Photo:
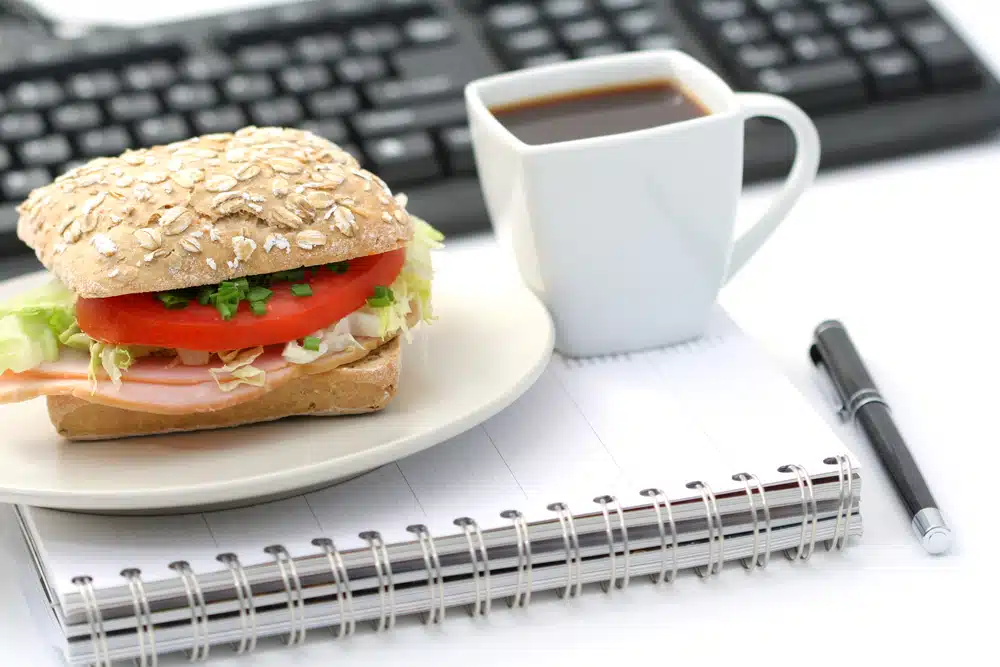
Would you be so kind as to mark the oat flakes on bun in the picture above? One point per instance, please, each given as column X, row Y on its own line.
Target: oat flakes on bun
column 222, row 280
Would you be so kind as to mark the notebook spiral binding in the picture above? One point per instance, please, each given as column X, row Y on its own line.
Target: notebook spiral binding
column 611, row 510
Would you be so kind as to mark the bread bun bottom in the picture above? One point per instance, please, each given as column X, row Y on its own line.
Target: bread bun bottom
column 366, row 385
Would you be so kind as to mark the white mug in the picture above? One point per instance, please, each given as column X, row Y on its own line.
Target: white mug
column 627, row 238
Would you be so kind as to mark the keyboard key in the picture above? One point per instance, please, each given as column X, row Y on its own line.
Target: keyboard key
column 410, row 91
column 21, row 126
column 162, row 130
column 17, row 185
column 96, row 85
column 945, row 58
column 37, row 94
column 332, row 129
column 869, row 38
column 150, row 76
column 640, row 22
column 352, row 9
column 362, row 69
column 798, row 22
column 893, row 73
column 300, row 79
column 106, row 141
column 283, row 112
column 582, row 33
column 657, row 41
column 772, row 6
column 134, row 106
column 403, row 159
column 816, row 85
column 536, row 41
column 221, row 119
column 192, row 96
column 428, row 31
column 320, row 48
column 815, row 47
column 400, row 121
column 849, row 14
column 331, row 103
column 457, row 143
column 738, row 32
column 49, row 150
column 720, row 10
column 544, row 59
column 903, row 9
column 211, row 66
column 601, row 49
column 249, row 87
column 76, row 117
column 612, row 6
column 375, row 38
column 567, row 10
column 511, row 16
column 759, row 56
column 267, row 56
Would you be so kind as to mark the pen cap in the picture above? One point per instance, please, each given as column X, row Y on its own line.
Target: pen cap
column 833, row 348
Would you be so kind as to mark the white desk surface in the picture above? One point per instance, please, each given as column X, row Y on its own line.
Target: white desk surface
column 906, row 254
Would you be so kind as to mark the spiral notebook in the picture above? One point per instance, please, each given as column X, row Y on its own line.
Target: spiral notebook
column 672, row 462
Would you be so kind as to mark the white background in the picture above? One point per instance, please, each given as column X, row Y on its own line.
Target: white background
column 904, row 253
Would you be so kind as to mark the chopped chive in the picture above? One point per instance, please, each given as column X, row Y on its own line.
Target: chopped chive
column 311, row 343
column 258, row 308
column 205, row 296
column 338, row 267
column 258, row 294
column 302, row 289
column 383, row 297
column 172, row 301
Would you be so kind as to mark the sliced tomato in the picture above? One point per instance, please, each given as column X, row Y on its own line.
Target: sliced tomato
column 141, row 319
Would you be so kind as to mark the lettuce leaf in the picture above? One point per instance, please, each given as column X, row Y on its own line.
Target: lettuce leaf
column 33, row 324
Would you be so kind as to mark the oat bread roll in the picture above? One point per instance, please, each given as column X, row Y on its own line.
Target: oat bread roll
column 209, row 209
column 366, row 385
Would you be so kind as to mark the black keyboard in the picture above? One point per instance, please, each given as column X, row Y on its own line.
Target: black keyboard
column 384, row 78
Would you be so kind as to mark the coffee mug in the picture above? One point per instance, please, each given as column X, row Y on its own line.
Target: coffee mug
column 627, row 238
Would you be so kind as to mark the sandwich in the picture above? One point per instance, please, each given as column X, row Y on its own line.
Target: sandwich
column 222, row 280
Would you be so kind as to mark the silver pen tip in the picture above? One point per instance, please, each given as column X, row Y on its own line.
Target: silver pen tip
column 935, row 535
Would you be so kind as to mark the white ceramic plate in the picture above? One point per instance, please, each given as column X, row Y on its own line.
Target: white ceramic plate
column 489, row 344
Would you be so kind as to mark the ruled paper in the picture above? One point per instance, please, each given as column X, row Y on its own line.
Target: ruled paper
column 698, row 411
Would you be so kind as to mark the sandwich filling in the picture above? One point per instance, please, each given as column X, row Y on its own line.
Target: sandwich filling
column 209, row 347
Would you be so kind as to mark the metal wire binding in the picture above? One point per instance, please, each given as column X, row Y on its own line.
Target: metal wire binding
column 846, row 506
column 603, row 501
column 98, row 637
column 199, row 613
column 345, row 598
column 569, row 538
column 435, row 579
column 808, row 507
column 660, row 498
column 522, row 594
column 296, row 603
column 755, row 559
column 143, row 617
column 484, row 598
column 244, row 595
column 383, row 572
column 714, row 522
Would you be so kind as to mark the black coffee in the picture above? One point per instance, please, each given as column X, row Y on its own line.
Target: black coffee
column 599, row 111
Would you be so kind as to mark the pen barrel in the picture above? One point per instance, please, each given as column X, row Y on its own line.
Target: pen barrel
column 875, row 420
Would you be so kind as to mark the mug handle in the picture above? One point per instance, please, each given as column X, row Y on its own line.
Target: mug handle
column 807, row 152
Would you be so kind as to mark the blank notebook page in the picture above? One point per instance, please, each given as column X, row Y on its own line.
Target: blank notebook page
column 703, row 410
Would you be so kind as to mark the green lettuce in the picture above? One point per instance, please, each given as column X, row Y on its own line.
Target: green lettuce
column 413, row 281
column 34, row 324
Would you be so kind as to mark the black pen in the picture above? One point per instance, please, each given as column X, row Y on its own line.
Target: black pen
column 860, row 400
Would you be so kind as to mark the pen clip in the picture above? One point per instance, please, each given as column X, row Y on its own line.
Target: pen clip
column 829, row 391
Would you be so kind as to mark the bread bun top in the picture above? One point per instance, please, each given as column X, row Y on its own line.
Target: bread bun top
column 208, row 209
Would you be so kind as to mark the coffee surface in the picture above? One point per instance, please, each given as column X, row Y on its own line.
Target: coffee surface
column 598, row 112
